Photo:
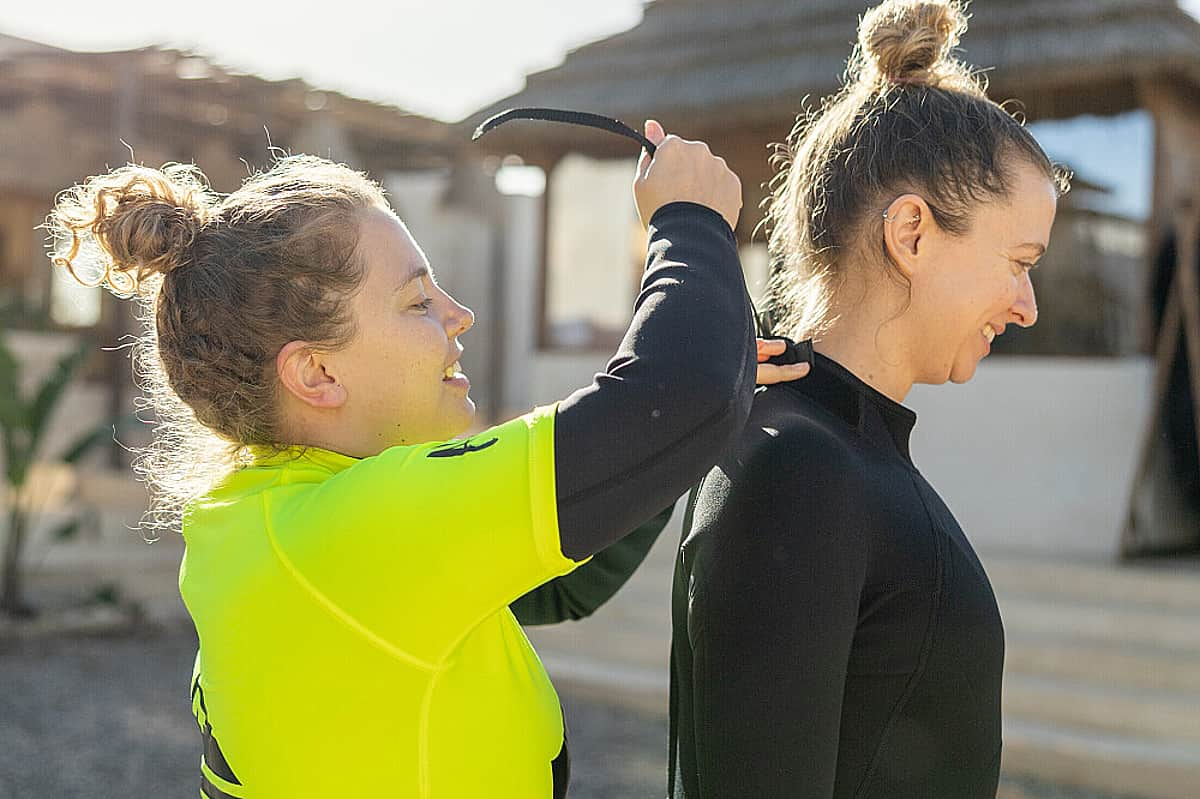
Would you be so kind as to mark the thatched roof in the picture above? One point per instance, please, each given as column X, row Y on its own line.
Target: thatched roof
column 171, row 104
column 714, row 63
column 14, row 45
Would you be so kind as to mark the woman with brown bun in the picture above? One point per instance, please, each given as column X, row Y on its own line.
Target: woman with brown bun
column 350, row 561
column 855, row 649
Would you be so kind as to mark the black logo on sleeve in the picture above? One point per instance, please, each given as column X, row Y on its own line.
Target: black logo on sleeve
column 461, row 449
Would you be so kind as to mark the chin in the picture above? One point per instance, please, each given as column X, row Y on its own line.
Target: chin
column 463, row 419
column 960, row 374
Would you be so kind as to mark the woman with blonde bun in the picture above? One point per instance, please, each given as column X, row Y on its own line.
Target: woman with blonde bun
column 350, row 560
column 856, row 649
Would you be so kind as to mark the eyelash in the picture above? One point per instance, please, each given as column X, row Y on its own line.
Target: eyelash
column 1025, row 265
column 424, row 304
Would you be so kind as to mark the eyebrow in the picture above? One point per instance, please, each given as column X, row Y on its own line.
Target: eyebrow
column 1039, row 248
column 415, row 274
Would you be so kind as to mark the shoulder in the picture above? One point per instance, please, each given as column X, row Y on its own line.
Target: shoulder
column 788, row 443
column 795, row 483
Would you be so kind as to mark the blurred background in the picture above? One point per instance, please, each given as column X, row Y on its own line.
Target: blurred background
column 1071, row 460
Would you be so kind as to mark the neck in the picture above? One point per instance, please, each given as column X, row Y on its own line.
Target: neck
column 874, row 347
column 307, row 427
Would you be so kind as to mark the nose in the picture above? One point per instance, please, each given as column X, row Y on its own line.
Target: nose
column 1024, row 310
column 458, row 319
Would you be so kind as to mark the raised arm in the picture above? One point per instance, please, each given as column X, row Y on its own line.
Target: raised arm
column 679, row 389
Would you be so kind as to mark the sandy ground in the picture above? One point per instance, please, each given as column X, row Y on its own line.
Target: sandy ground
column 107, row 717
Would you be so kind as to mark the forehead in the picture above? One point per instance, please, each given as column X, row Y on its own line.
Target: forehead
column 388, row 251
column 1027, row 214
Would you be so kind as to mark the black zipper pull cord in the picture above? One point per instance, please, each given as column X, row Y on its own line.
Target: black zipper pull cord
column 568, row 118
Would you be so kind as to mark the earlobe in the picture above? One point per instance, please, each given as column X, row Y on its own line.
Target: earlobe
column 905, row 223
column 304, row 373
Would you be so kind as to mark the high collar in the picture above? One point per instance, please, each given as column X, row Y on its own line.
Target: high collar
column 871, row 413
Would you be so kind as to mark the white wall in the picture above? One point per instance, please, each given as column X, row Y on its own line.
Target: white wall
column 1037, row 454
column 1034, row 454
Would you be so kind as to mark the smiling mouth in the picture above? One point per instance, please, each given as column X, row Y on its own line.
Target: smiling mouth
column 452, row 371
column 989, row 333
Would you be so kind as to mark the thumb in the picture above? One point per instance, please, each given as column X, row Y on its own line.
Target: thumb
column 655, row 132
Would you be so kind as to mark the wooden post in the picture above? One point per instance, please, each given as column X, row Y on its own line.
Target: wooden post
column 1181, row 318
column 1187, row 288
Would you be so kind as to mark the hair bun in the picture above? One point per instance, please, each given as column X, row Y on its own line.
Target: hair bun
column 906, row 40
column 143, row 222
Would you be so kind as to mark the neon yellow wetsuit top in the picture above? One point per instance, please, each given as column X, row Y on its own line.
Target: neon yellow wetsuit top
column 355, row 637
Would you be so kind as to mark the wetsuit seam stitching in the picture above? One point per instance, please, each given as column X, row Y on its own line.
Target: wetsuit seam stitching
column 339, row 614
column 926, row 646
column 423, row 776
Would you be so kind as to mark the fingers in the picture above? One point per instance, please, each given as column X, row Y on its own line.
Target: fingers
column 769, row 374
column 769, row 347
column 684, row 171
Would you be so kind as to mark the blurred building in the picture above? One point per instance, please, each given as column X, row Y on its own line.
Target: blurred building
column 65, row 115
column 737, row 75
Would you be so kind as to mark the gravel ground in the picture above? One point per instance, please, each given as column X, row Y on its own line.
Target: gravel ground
column 108, row 718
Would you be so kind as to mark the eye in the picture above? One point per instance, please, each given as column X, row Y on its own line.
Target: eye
column 1024, row 266
column 423, row 305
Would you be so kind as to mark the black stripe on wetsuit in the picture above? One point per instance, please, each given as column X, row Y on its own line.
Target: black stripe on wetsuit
column 674, row 396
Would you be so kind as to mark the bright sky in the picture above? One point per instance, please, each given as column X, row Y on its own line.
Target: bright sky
column 441, row 58
column 444, row 58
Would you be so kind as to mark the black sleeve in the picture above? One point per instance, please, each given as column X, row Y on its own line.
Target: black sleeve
column 579, row 594
column 674, row 396
column 772, row 619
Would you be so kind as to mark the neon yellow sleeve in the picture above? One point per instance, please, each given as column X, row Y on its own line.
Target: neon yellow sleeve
column 418, row 544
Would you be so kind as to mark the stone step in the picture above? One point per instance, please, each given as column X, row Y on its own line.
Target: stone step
column 1115, row 764
column 1118, row 664
column 1166, row 716
column 1119, row 626
column 1171, row 584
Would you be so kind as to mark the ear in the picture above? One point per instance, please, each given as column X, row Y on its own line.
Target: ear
column 907, row 224
column 305, row 374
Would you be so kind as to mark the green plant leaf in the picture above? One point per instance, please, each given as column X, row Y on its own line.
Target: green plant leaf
column 86, row 442
column 107, row 594
column 50, row 392
column 12, row 409
column 65, row 531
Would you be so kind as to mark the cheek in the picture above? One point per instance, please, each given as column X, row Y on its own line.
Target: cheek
column 399, row 352
column 421, row 345
column 988, row 295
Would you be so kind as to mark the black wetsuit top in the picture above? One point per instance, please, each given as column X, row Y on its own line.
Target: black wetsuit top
column 674, row 397
column 834, row 633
